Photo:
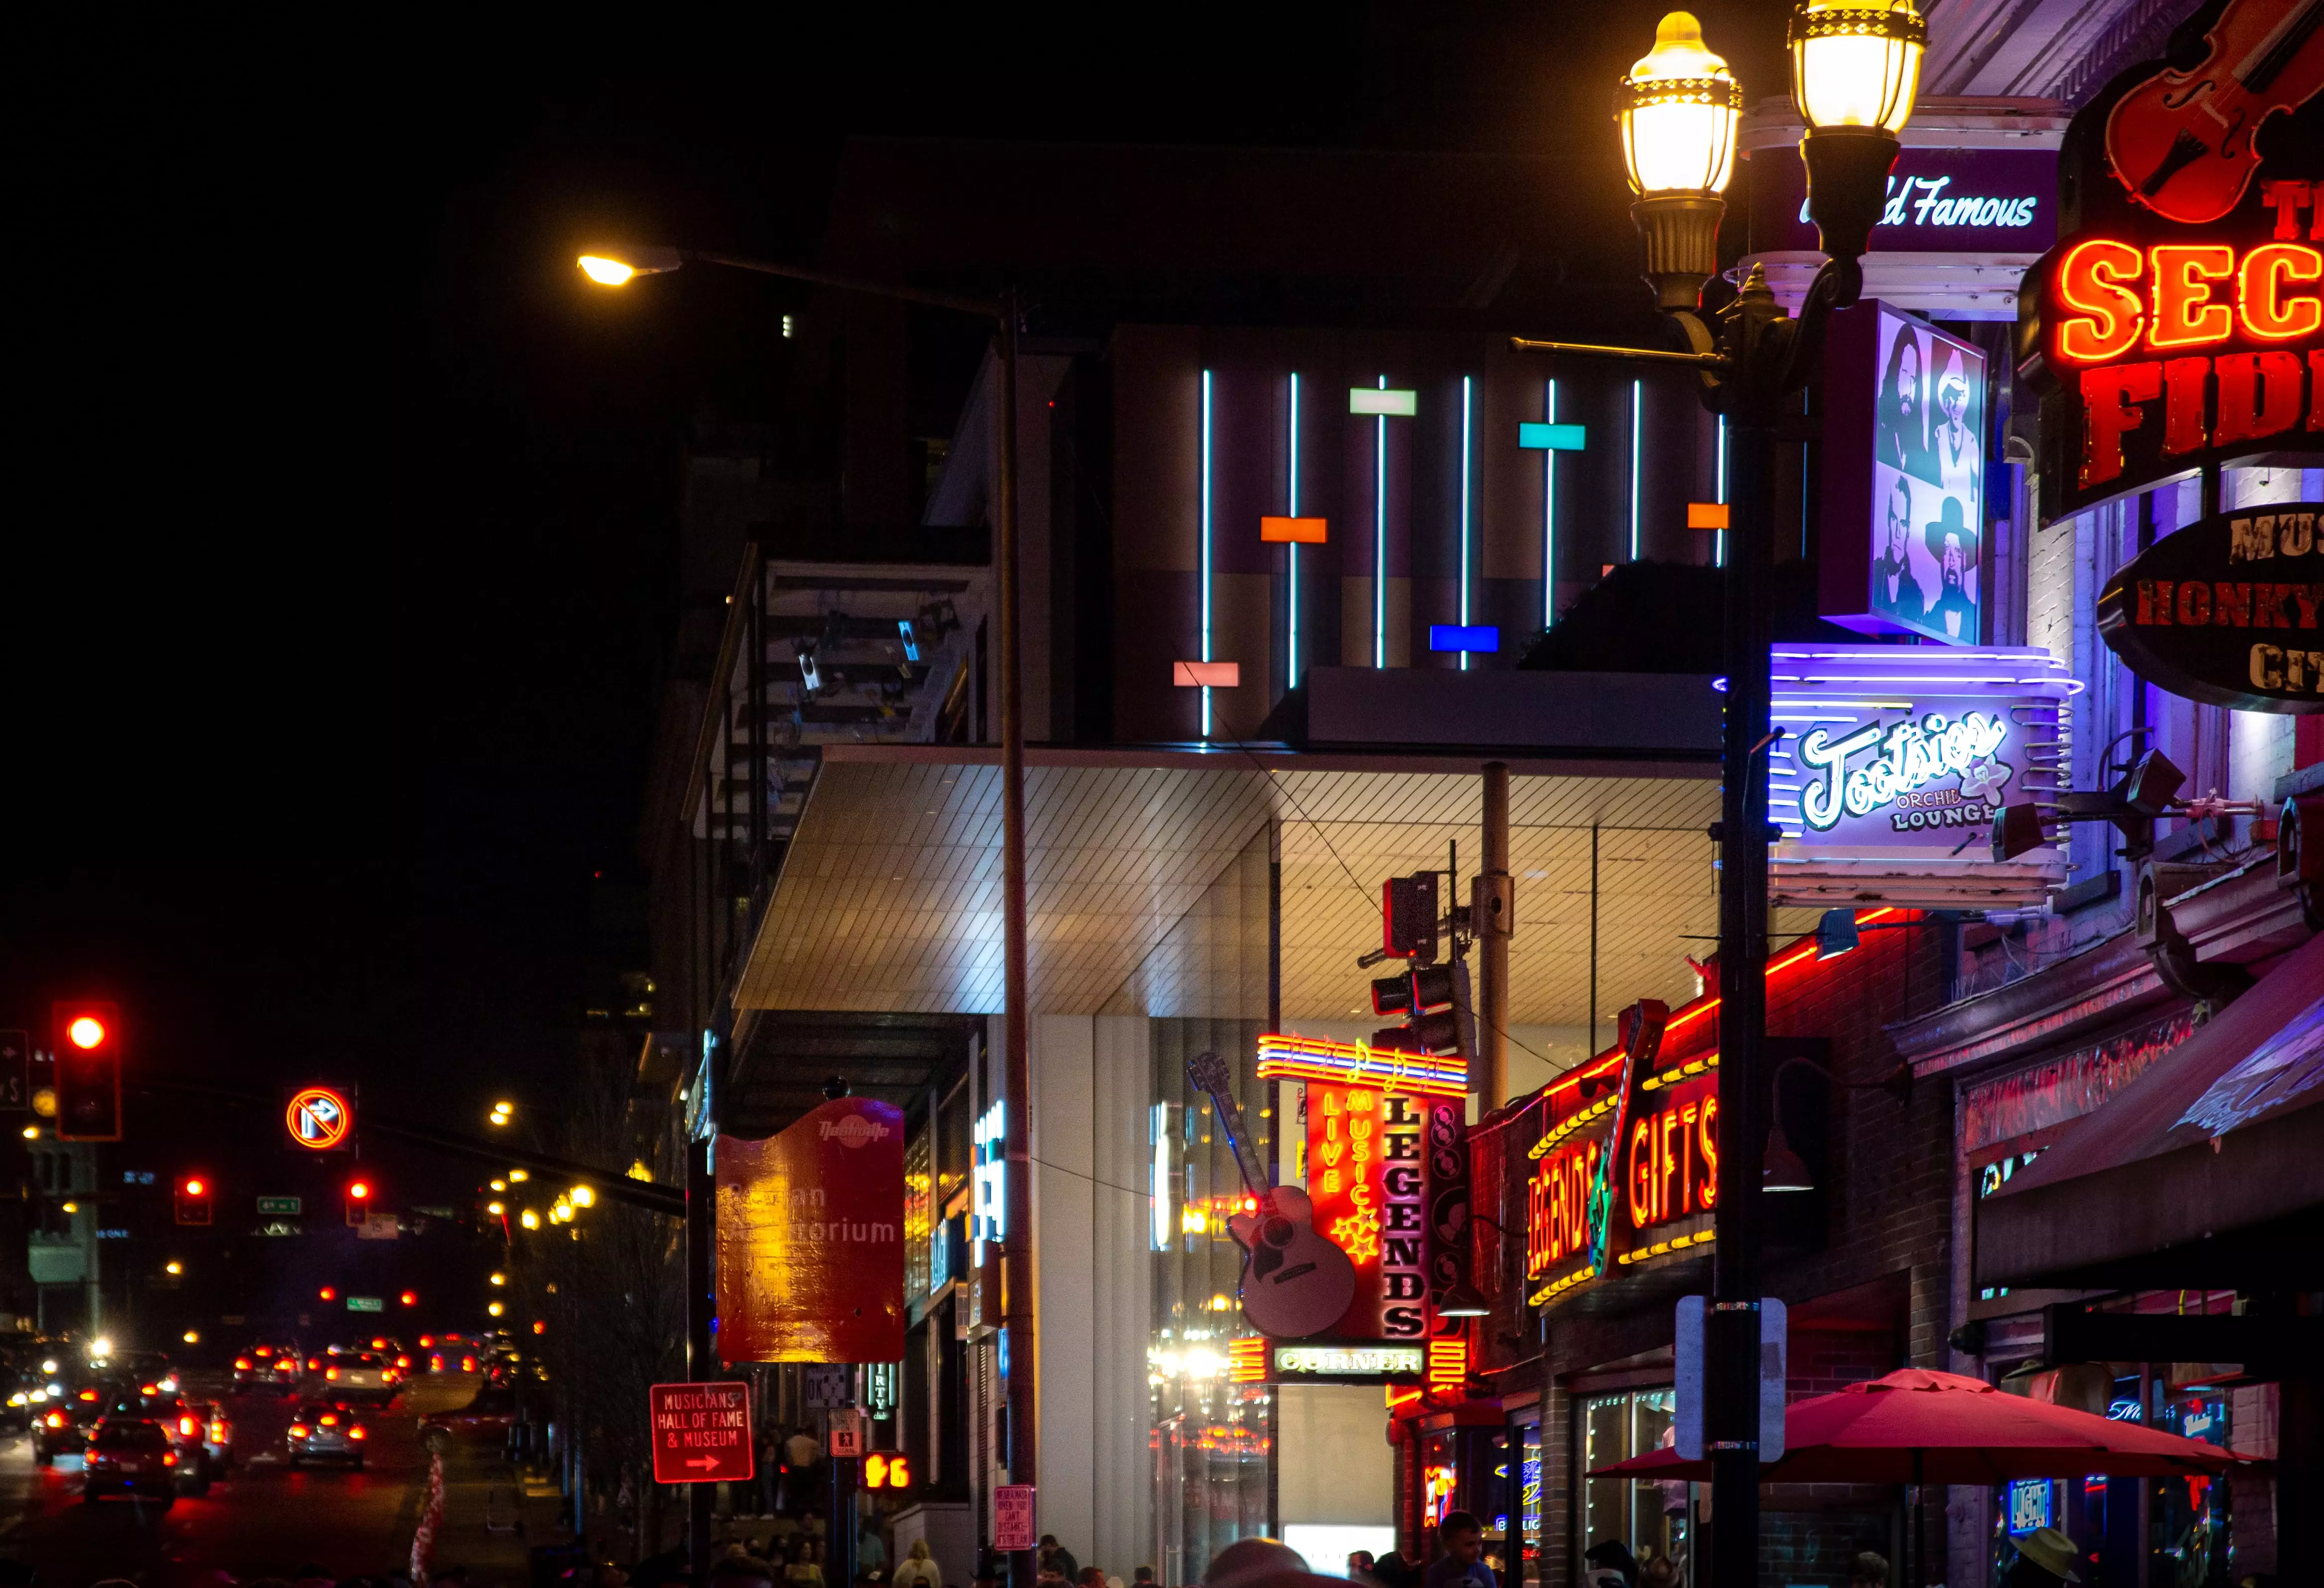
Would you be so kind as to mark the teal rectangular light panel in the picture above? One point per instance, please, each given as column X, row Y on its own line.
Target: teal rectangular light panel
column 1366, row 399
column 1551, row 438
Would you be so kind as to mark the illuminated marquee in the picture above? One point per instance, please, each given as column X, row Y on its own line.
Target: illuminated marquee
column 1349, row 1362
column 2229, row 610
column 1364, row 1179
column 1892, row 755
column 1671, row 1171
column 2174, row 335
column 1285, row 1057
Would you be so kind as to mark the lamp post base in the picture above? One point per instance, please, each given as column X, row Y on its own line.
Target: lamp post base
column 1682, row 237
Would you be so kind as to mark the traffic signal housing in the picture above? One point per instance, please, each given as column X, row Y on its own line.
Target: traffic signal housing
column 887, row 1469
column 1425, row 997
column 194, row 1200
column 1408, row 917
column 88, row 1047
column 359, row 1203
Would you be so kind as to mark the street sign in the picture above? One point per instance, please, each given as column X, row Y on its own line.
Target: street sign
column 701, row 1432
column 15, row 1070
column 379, row 1226
column 847, row 1440
column 280, row 1206
column 366, row 1304
column 1012, row 1517
column 320, row 1118
column 830, row 1385
column 1686, row 1416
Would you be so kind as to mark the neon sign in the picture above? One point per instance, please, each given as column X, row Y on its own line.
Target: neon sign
column 1674, row 1164
column 1915, row 755
column 1285, row 1057
column 1558, row 1207
column 1922, row 201
column 1364, row 1179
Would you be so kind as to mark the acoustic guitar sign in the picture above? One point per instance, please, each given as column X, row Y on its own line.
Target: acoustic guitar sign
column 2177, row 323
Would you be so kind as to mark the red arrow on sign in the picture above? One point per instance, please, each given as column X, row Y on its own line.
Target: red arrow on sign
column 704, row 1460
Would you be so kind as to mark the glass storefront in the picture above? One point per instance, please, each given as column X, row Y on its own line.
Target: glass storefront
column 1650, row 1518
column 1528, row 1501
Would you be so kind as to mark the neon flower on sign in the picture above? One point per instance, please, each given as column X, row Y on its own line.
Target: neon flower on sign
column 1913, row 754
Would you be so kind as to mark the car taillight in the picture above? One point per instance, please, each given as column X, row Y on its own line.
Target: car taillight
column 435, row 1364
column 169, row 1458
column 357, row 1432
column 187, row 1427
column 88, row 1394
column 467, row 1365
column 328, row 1420
column 242, row 1363
column 331, row 1372
column 314, row 1363
column 297, row 1430
column 403, row 1362
column 56, row 1420
column 218, row 1433
column 285, row 1365
column 426, row 1341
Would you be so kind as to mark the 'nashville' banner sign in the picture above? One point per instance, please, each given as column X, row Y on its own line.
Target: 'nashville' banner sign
column 2177, row 325
column 2229, row 610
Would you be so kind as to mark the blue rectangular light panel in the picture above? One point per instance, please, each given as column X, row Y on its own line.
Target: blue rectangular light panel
column 1457, row 636
column 1551, row 438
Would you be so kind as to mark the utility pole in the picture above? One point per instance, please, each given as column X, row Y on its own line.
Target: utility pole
column 1020, row 1337
column 1492, row 913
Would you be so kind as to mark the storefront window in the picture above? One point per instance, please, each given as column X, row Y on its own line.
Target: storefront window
column 1649, row 1519
column 2188, row 1513
column 1529, row 1500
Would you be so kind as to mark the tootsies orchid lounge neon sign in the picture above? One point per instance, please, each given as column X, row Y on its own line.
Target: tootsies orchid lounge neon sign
column 1892, row 755
column 1912, row 755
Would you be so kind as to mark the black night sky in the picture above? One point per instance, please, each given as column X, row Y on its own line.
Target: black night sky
column 342, row 531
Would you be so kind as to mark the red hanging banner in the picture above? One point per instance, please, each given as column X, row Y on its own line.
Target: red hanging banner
column 811, row 1239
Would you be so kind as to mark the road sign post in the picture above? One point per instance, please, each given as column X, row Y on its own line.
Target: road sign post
column 1689, row 1376
column 701, row 1432
column 320, row 1119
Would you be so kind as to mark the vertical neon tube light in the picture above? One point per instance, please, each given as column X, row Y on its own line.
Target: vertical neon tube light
column 1206, row 545
column 1718, row 552
column 1466, row 384
column 1291, row 653
column 1379, row 539
column 1549, row 515
column 1637, row 410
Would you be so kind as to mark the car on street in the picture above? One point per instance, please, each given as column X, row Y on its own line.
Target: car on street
column 323, row 1431
column 217, row 1435
column 130, row 1455
column 62, row 1426
column 359, row 1374
column 268, row 1365
column 186, row 1422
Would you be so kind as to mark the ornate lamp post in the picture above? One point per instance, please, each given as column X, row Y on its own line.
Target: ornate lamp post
column 1855, row 70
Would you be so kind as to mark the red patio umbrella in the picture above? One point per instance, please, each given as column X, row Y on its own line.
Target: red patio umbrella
column 1917, row 1426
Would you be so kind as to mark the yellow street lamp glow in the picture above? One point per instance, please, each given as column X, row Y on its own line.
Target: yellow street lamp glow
column 1856, row 64
column 503, row 1107
column 499, row 1279
column 614, row 267
column 495, row 1309
column 529, row 1219
column 495, row 1208
column 174, row 1266
column 499, row 1185
column 517, row 1177
column 1678, row 110
column 583, row 1197
column 32, row 1133
column 101, row 1346
column 72, row 1208
column 193, row 1337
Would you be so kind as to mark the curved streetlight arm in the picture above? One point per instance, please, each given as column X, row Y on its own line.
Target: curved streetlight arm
column 990, row 309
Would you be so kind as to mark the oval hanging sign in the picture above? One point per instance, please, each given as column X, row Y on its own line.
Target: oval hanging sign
column 2229, row 611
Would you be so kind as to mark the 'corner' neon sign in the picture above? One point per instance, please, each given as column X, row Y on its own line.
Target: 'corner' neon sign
column 1916, row 753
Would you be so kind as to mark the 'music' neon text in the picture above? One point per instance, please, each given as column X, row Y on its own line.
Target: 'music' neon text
column 1913, row 754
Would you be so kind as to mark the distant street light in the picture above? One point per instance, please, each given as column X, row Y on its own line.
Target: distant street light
column 614, row 267
column 583, row 1197
column 495, row 1309
column 499, row 1279
column 174, row 1266
column 529, row 1219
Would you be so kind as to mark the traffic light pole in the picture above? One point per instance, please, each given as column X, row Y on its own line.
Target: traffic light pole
column 839, row 1521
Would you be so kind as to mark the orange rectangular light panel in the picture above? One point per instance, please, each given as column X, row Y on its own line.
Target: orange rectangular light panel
column 1305, row 531
column 1706, row 515
column 1207, row 674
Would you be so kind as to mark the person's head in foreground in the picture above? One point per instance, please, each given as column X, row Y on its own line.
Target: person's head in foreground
column 1462, row 1536
column 1248, row 1561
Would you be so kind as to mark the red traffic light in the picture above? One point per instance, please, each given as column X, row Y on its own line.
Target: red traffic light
column 196, row 1185
column 327, row 1294
column 359, row 1189
column 410, row 1299
column 88, row 1046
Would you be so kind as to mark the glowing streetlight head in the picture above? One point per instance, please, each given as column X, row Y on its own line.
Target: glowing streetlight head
column 517, row 1177
column 495, row 1208
column 101, row 1346
column 495, row 1309
column 499, row 1185
column 193, row 1337
column 499, row 1279
column 174, row 1266
column 1856, row 64
column 583, row 1197
column 1678, row 109
column 529, row 1219
column 86, row 1031
column 614, row 267
column 32, row 1133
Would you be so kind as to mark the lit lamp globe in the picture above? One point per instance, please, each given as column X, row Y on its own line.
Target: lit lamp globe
column 1678, row 109
column 1855, row 70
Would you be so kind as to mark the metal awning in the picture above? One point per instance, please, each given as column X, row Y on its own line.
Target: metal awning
column 889, row 894
column 2196, row 1171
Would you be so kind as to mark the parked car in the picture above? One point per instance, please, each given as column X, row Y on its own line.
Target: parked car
column 323, row 1431
column 130, row 1456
